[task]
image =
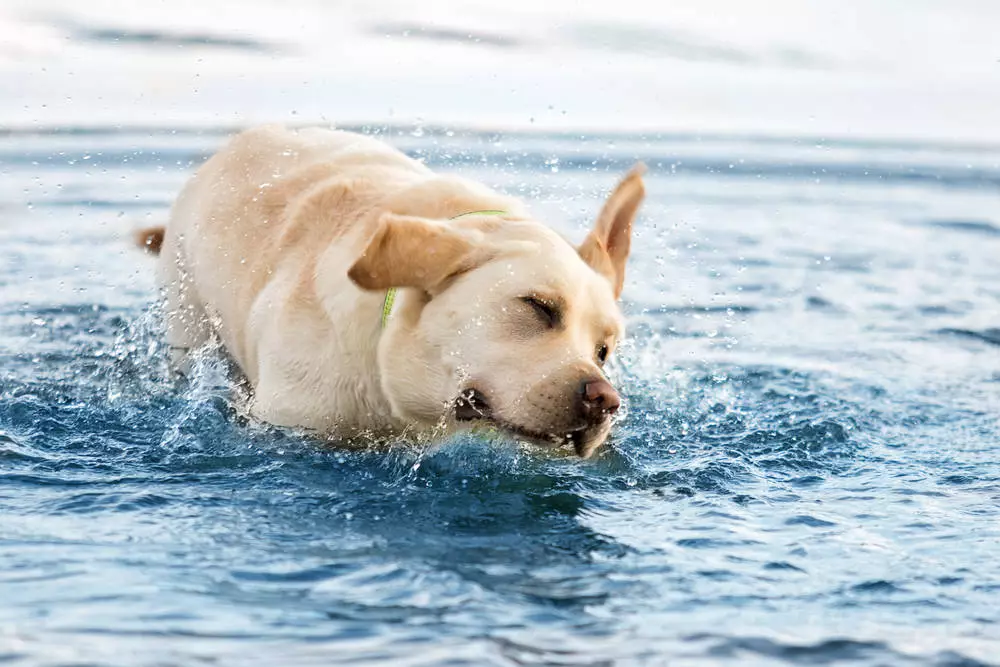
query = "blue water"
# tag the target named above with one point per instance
(807, 471)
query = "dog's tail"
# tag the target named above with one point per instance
(150, 239)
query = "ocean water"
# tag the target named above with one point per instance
(807, 467)
(807, 470)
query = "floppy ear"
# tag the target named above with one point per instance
(607, 246)
(407, 251)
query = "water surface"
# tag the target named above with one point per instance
(807, 470)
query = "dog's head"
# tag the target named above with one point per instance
(507, 322)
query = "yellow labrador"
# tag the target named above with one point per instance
(359, 291)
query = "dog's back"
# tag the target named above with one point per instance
(245, 198)
(257, 215)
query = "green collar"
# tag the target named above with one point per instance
(390, 294)
(390, 298)
(488, 212)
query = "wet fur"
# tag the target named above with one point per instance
(284, 242)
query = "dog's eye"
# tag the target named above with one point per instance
(548, 312)
(602, 353)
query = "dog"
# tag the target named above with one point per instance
(359, 292)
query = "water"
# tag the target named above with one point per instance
(807, 471)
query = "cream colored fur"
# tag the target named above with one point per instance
(284, 243)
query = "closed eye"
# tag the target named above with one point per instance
(547, 311)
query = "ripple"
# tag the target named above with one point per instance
(794, 445)
(784, 566)
(879, 587)
(980, 227)
(991, 336)
(90, 502)
(810, 521)
(824, 652)
(13, 450)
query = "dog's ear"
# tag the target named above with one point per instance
(607, 246)
(408, 251)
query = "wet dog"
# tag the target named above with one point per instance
(358, 291)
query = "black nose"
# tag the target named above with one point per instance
(598, 400)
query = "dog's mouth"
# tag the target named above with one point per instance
(472, 405)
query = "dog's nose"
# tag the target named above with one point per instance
(598, 400)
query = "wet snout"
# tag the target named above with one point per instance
(596, 400)
(574, 407)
